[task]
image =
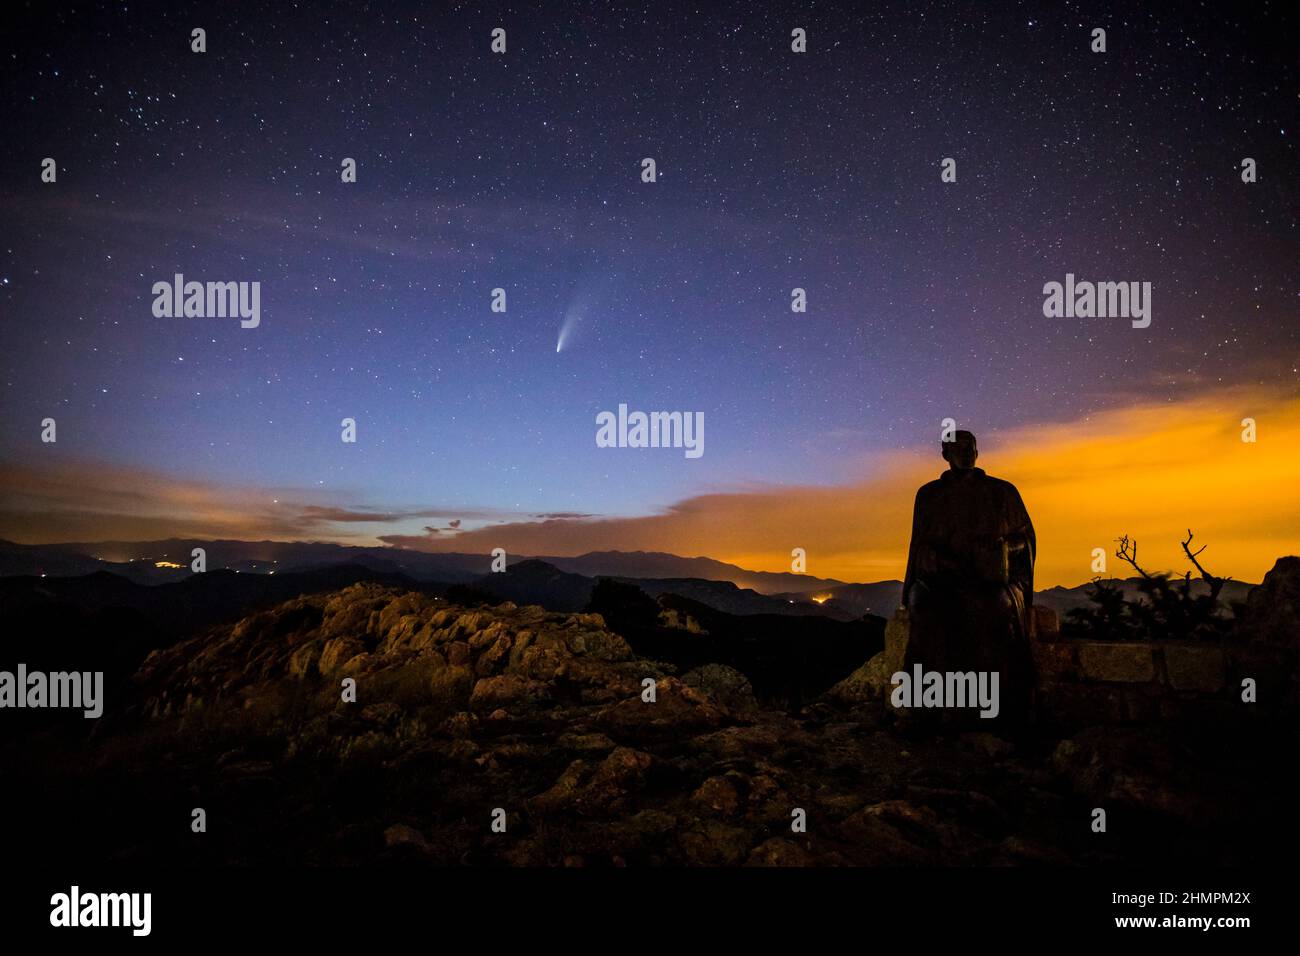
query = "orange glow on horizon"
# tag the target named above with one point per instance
(1149, 470)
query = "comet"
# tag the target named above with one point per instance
(580, 303)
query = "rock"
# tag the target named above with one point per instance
(1116, 662)
(602, 790)
(509, 691)
(678, 709)
(494, 656)
(717, 794)
(355, 665)
(871, 682)
(1193, 668)
(302, 663)
(1273, 608)
(994, 747)
(726, 685)
(399, 834)
(623, 769)
(1079, 704)
(714, 843)
(337, 651)
(779, 851)
(1118, 766)
(460, 726)
(1015, 851)
(1044, 624)
(680, 620)
(570, 741)
(1054, 661)
(599, 644)
(450, 688)
(542, 713)
(896, 833)
(385, 712)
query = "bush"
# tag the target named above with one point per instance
(1167, 609)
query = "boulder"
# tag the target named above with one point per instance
(726, 685)
(1193, 668)
(508, 691)
(1273, 608)
(1117, 662)
(871, 682)
(337, 652)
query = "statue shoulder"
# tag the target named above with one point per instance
(929, 489)
(1003, 485)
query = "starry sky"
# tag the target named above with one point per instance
(522, 171)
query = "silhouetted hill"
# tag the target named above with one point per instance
(537, 582)
(854, 600)
(103, 621)
(658, 565)
(720, 585)
(533, 581)
(725, 596)
(137, 559)
(52, 560)
(1062, 599)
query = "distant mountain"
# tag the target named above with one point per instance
(54, 560)
(658, 564)
(854, 600)
(725, 596)
(181, 607)
(558, 583)
(533, 581)
(139, 560)
(1062, 599)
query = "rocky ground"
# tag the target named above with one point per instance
(461, 711)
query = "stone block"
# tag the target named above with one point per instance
(1192, 668)
(1054, 661)
(896, 632)
(1044, 624)
(1141, 704)
(1080, 705)
(1129, 663)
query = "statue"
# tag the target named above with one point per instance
(969, 585)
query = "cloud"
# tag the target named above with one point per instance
(1149, 470)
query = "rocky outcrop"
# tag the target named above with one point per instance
(467, 720)
(870, 685)
(1273, 608)
(724, 684)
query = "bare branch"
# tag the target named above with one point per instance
(1216, 583)
(1128, 550)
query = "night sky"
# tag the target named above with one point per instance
(522, 171)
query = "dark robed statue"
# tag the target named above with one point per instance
(970, 576)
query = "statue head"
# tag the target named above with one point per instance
(960, 453)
